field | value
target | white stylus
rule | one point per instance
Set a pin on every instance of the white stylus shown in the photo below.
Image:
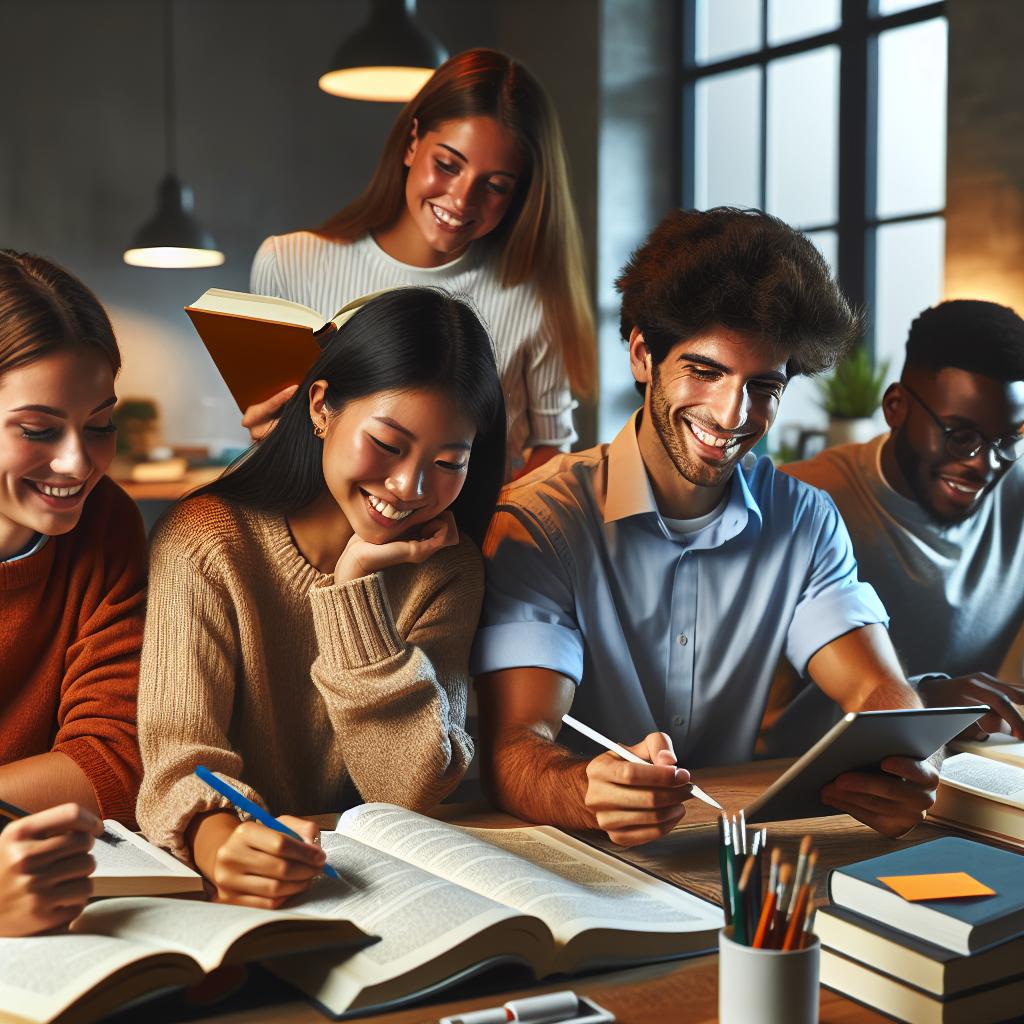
(628, 755)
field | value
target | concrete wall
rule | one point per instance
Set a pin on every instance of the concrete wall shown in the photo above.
(82, 151)
(985, 161)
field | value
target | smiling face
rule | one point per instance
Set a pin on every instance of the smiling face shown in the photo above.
(461, 180)
(56, 441)
(394, 460)
(707, 403)
(915, 458)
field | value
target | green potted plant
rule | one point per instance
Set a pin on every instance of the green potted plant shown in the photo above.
(851, 395)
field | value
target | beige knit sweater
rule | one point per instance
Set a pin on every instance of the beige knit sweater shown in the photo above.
(258, 666)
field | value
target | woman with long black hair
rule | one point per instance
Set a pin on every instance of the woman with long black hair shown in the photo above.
(311, 613)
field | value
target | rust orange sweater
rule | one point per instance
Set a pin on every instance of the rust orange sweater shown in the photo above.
(71, 619)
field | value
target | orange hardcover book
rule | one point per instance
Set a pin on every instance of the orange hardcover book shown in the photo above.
(260, 344)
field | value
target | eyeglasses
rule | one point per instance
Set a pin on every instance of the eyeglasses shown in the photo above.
(965, 442)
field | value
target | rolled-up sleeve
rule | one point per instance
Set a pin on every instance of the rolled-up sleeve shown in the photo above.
(833, 601)
(529, 617)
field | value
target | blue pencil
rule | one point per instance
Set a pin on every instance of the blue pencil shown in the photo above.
(243, 803)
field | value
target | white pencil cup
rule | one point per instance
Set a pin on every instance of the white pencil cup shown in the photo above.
(767, 986)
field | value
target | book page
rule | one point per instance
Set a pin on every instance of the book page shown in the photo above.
(119, 853)
(40, 975)
(203, 931)
(994, 779)
(261, 307)
(416, 914)
(999, 746)
(539, 871)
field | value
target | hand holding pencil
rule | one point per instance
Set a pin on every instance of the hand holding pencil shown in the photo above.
(45, 866)
(635, 802)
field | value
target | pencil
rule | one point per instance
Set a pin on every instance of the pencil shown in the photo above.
(796, 919)
(741, 926)
(773, 869)
(801, 869)
(779, 917)
(723, 865)
(627, 755)
(808, 922)
(243, 803)
(767, 911)
(11, 811)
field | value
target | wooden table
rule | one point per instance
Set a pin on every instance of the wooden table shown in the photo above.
(683, 992)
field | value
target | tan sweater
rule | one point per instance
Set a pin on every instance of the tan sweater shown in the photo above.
(258, 666)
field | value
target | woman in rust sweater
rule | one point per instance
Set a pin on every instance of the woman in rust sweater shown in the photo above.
(72, 554)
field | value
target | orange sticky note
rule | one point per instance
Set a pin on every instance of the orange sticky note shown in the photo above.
(949, 886)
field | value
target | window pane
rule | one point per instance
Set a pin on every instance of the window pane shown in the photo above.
(727, 28)
(908, 278)
(803, 137)
(895, 6)
(798, 19)
(727, 158)
(912, 119)
(827, 243)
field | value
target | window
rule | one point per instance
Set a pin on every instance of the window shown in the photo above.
(830, 114)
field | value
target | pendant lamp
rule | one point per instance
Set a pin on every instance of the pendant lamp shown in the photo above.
(387, 59)
(173, 238)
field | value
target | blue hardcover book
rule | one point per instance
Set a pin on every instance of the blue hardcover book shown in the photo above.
(961, 925)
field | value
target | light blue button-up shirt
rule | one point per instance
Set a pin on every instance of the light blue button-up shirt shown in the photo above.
(662, 630)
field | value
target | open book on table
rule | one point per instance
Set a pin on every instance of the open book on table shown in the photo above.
(259, 343)
(121, 949)
(126, 865)
(446, 900)
(982, 795)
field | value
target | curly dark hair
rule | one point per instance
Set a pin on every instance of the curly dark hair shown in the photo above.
(740, 269)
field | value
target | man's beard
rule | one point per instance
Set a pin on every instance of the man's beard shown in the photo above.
(914, 473)
(690, 467)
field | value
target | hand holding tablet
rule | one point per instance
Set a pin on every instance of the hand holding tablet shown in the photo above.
(863, 742)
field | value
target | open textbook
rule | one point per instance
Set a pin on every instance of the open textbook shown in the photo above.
(999, 746)
(126, 865)
(121, 949)
(981, 795)
(446, 900)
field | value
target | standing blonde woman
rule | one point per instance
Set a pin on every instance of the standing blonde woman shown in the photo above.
(471, 193)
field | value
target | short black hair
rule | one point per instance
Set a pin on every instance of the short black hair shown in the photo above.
(740, 269)
(969, 334)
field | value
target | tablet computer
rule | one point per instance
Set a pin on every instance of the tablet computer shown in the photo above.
(858, 742)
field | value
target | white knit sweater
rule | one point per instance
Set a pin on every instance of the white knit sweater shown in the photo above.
(326, 275)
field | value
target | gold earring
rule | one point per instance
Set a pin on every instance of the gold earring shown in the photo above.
(319, 431)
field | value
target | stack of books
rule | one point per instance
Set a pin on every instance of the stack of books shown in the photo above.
(937, 960)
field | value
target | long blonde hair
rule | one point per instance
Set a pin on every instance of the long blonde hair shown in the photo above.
(538, 239)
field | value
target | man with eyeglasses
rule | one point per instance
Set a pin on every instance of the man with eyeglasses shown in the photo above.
(935, 509)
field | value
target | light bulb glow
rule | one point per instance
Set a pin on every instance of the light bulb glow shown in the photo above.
(167, 257)
(383, 84)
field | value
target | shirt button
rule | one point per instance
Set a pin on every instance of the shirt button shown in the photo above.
(677, 720)
(682, 640)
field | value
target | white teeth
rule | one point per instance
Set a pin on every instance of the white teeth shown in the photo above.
(447, 217)
(960, 487)
(711, 439)
(387, 510)
(59, 492)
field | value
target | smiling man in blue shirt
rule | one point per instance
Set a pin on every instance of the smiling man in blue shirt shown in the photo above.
(652, 584)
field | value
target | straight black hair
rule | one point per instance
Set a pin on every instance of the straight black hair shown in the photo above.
(405, 339)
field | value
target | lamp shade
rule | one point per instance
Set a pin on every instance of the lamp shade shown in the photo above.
(173, 238)
(387, 59)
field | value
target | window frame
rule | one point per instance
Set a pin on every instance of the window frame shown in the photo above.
(857, 40)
